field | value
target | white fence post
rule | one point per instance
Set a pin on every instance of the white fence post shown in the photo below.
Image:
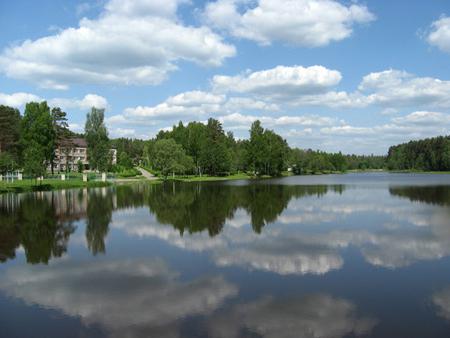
(103, 177)
(85, 178)
(19, 176)
(63, 177)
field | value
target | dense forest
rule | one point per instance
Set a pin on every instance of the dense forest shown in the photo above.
(29, 142)
(199, 149)
(432, 154)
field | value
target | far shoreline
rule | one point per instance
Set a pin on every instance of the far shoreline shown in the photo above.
(55, 184)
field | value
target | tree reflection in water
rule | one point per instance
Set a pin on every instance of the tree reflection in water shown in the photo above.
(98, 216)
(42, 222)
(34, 225)
(198, 207)
(435, 195)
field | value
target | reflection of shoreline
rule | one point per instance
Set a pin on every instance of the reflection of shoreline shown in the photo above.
(48, 216)
(69, 205)
(293, 246)
(436, 195)
(195, 208)
(43, 222)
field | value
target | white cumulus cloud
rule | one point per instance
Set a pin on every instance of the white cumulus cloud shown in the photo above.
(17, 100)
(132, 42)
(280, 81)
(86, 103)
(311, 23)
(399, 88)
(439, 35)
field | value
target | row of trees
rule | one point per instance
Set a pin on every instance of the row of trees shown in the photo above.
(30, 141)
(199, 148)
(206, 149)
(431, 154)
(309, 161)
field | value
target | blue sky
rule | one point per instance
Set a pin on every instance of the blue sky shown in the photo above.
(347, 76)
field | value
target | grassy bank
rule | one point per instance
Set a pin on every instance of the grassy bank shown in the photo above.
(47, 184)
(205, 178)
(419, 172)
(408, 171)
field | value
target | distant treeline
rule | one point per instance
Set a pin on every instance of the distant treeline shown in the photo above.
(207, 149)
(29, 142)
(309, 161)
(432, 154)
(265, 152)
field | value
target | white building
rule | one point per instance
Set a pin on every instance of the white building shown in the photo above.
(70, 156)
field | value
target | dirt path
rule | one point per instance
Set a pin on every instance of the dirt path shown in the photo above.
(147, 175)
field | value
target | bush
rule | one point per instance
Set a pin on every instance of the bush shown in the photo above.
(80, 166)
(128, 173)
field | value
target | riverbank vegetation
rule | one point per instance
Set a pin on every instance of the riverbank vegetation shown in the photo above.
(207, 150)
(432, 154)
(195, 149)
(192, 151)
(48, 184)
(29, 142)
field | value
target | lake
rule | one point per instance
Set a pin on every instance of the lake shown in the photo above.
(312, 256)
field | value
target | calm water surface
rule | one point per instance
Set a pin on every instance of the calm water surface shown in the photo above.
(327, 256)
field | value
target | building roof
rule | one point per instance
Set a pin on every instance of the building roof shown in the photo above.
(79, 142)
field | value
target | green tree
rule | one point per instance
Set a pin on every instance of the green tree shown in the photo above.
(37, 134)
(297, 161)
(277, 151)
(62, 134)
(7, 163)
(215, 156)
(97, 140)
(196, 137)
(10, 131)
(134, 148)
(240, 155)
(125, 161)
(256, 148)
(170, 157)
(149, 152)
(338, 161)
(80, 166)
(34, 160)
(428, 154)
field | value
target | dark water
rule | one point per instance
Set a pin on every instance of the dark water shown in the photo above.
(329, 256)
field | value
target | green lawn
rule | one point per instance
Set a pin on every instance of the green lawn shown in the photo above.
(48, 184)
(205, 178)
